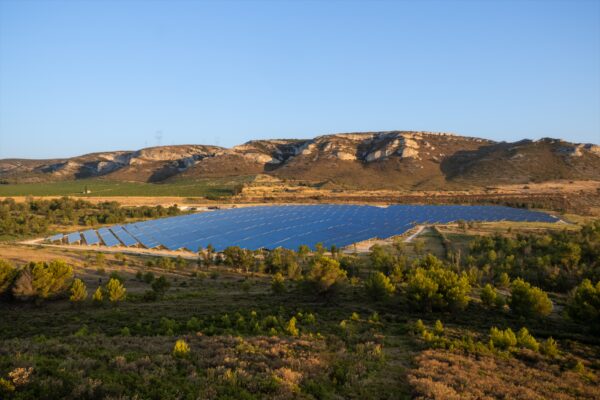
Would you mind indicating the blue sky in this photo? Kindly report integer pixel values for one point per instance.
(84, 76)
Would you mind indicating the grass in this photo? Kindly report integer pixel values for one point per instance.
(218, 187)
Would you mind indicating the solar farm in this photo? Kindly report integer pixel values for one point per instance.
(269, 227)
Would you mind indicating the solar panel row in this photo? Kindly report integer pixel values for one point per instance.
(291, 226)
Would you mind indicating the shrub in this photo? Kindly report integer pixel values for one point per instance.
(160, 286)
(43, 280)
(290, 328)
(549, 347)
(488, 296)
(78, 291)
(148, 277)
(438, 328)
(524, 339)
(419, 326)
(527, 300)
(181, 349)
(278, 283)
(438, 288)
(502, 339)
(325, 274)
(7, 275)
(584, 304)
(98, 296)
(379, 286)
(381, 259)
(116, 291)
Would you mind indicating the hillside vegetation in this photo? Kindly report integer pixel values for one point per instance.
(370, 160)
(454, 314)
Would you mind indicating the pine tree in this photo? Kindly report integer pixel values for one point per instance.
(98, 296)
(116, 290)
(78, 291)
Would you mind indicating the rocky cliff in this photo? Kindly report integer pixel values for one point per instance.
(394, 159)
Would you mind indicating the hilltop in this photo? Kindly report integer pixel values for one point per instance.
(366, 160)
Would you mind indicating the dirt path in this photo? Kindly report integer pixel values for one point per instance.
(420, 229)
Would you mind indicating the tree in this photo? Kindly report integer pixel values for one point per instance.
(98, 296)
(7, 275)
(43, 280)
(238, 257)
(584, 304)
(502, 339)
(278, 283)
(379, 286)
(325, 275)
(160, 286)
(438, 287)
(381, 259)
(116, 291)
(526, 300)
(488, 296)
(527, 341)
(78, 291)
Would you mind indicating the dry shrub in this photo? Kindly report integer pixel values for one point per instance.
(441, 374)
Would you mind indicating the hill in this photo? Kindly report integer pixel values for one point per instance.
(371, 160)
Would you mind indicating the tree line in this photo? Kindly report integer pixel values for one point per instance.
(38, 216)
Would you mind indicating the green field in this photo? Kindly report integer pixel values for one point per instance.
(219, 187)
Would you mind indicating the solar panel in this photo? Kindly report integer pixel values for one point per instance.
(290, 226)
(91, 237)
(108, 238)
(74, 237)
(123, 236)
(55, 238)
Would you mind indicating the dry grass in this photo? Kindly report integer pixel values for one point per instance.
(446, 375)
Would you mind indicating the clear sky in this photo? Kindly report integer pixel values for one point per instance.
(85, 76)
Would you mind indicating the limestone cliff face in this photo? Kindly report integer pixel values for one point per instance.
(406, 155)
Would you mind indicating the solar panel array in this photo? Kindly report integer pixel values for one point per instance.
(294, 225)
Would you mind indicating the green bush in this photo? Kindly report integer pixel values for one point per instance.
(438, 288)
(381, 259)
(379, 286)
(488, 296)
(148, 277)
(502, 339)
(98, 295)
(42, 280)
(78, 291)
(549, 347)
(584, 304)
(7, 275)
(278, 283)
(325, 275)
(160, 285)
(527, 300)
(116, 291)
(524, 339)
